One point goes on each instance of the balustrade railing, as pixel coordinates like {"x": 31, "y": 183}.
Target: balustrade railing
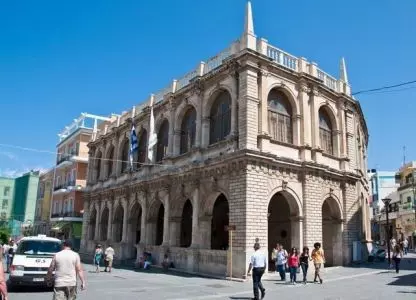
{"x": 328, "y": 80}
{"x": 217, "y": 60}
{"x": 184, "y": 81}
{"x": 282, "y": 58}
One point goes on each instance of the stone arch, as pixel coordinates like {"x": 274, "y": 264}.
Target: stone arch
{"x": 289, "y": 94}
{"x": 187, "y": 129}
{"x": 104, "y": 223}
{"x": 97, "y": 162}
{"x": 109, "y": 160}
{"x": 186, "y": 225}
{"x": 208, "y": 202}
{"x": 220, "y": 117}
{"x": 92, "y": 223}
{"x": 142, "y": 147}
{"x": 212, "y": 96}
{"x": 155, "y": 220}
{"x": 117, "y": 227}
{"x": 332, "y": 231}
{"x": 123, "y": 154}
{"x": 134, "y": 223}
{"x": 328, "y": 129}
{"x": 162, "y": 139}
{"x": 295, "y": 205}
{"x": 331, "y": 114}
{"x": 181, "y": 111}
{"x": 220, "y": 219}
{"x": 284, "y": 224}
{"x": 336, "y": 205}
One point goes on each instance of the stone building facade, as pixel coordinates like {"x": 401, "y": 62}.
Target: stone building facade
{"x": 254, "y": 138}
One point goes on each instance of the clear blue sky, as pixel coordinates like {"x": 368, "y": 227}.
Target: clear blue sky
{"x": 61, "y": 58}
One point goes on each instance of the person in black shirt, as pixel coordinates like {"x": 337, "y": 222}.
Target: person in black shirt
{"x": 304, "y": 262}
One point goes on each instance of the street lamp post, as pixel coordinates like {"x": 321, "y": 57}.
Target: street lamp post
{"x": 386, "y": 202}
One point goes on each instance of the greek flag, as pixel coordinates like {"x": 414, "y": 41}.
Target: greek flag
{"x": 134, "y": 145}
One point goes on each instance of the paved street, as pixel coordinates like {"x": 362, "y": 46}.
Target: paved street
{"x": 339, "y": 283}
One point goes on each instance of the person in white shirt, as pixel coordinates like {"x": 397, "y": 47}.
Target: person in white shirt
{"x": 258, "y": 264}
{"x": 67, "y": 265}
{"x": 109, "y": 256}
{"x": 405, "y": 246}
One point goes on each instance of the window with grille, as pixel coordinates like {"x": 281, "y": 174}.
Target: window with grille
{"x": 279, "y": 117}
{"x": 220, "y": 118}
{"x": 325, "y": 132}
{"x": 162, "y": 141}
{"x": 188, "y": 130}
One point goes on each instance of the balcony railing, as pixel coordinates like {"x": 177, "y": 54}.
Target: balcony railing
{"x": 71, "y": 214}
{"x": 67, "y": 156}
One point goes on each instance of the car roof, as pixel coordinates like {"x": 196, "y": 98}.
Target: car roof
{"x": 40, "y": 238}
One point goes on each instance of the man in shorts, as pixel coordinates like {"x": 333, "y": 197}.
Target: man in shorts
{"x": 109, "y": 256}
{"x": 67, "y": 265}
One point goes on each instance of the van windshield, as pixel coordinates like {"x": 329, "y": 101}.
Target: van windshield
{"x": 38, "y": 247}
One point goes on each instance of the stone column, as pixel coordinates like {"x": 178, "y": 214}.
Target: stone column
{"x": 305, "y": 111}
{"x": 176, "y": 142}
{"x": 97, "y": 223}
{"x": 205, "y": 232}
{"x": 341, "y": 118}
{"x": 205, "y": 131}
{"x": 143, "y": 230}
{"x": 199, "y": 112}
{"x": 234, "y": 106}
{"x": 166, "y": 204}
{"x": 263, "y": 95}
{"x": 85, "y": 224}
{"x": 117, "y": 156}
{"x": 125, "y": 217}
{"x": 195, "y": 219}
{"x": 110, "y": 218}
{"x": 314, "y": 123}
{"x": 296, "y": 224}
{"x": 174, "y": 231}
{"x": 171, "y": 131}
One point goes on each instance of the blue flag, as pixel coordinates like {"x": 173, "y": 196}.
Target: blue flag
{"x": 134, "y": 145}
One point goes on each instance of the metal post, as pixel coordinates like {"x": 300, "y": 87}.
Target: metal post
{"x": 231, "y": 254}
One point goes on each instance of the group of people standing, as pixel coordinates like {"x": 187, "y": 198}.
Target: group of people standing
{"x": 9, "y": 249}
{"x": 284, "y": 262}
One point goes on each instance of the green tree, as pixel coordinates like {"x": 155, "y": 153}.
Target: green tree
{"x": 4, "y": 234}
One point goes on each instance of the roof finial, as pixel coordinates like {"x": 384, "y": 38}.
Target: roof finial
{"x": 343, "y": 71}
{"x": 248, "y": 25}
{"x": 248, "y": 39}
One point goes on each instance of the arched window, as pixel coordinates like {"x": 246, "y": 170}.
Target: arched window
{"x": 220, "y": 118}
{"x": 98, "y": 166}
{"x": 142, "y": 148}
{"x": 280, "y": 117}
{"x": 188, "y": 130}
{"x": 109, "y": 162}
{"x": 162, "y": 141}
{"x": 125, "y": 156}
{"x": 325, "y": 132}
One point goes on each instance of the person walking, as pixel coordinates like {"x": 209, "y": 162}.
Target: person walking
{"x": 98, "y": 256}
{"x": 281, "y": 261}
{"x": 258, "y": 264}
{"x": 3, "y": 285}
{"x": 109, "y": 256}
{"x": 304, "y": 262}
{"x": 405, "y": 246}
{"x": 274, "y": 256}
{"x": 318, "y": 258}
{"x": 67, "y": 266}
{"x": 397, "y": 257}
{"x": 293, "y": 263}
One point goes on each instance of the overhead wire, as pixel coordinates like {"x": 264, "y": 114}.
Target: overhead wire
{"x": 384, "y": 87}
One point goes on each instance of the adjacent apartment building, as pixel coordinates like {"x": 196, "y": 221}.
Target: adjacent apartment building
{"x": 253, "y": 140}
{"x": 6, "y": 200}
{"x": 43, "y": 204}
{"x": 70, "y": 176}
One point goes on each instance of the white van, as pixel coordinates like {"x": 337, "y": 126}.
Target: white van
{"x": 32, "y": 260}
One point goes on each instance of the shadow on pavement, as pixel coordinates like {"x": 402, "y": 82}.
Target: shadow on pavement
{"x": 404, "y": 280}
{"x": 241, "y": 298}
{"x": 27, "y": 289}
{"x": 407, "y": 292}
